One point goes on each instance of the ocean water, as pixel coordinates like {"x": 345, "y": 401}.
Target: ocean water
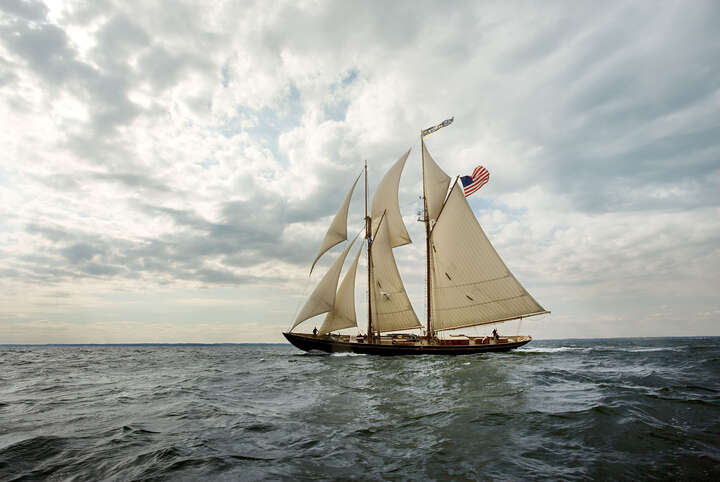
{"x": 612, "y": 409}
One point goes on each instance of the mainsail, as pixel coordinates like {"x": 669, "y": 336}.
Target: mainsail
{"x": 322, "y": 298}
{"x": 470, "y": 283}
{"x": 385, "y": 202}
{"x": 343, "y": 313}
{"x": 337, "y": 232}
{"x": 391, "y": 307}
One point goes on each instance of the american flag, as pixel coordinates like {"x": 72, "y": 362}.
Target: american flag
{"x": 479, "y": 178}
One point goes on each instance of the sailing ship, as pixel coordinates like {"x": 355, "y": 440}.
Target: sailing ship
{"x": 467, "y": 283}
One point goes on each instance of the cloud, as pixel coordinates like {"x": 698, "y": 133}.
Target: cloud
{"x": 151, "y": 148}
{"x": 34, "y": 11}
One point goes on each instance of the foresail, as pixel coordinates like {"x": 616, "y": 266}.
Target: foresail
{"x": 436, "y": 184}
{"x": 391, "y": 307}
{"x": 386, "y": 201}
{"x": 337, "y": 232}
{"x": 470, "y": 283}
{"x": 343, "y": 314}
{"x": 322, "y": 298}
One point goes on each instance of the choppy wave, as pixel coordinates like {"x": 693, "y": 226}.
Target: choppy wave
{"x": 567, "y": 409}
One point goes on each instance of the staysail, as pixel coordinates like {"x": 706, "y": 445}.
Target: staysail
{"x": 391, "y": 307}
{"x": 470, "y": 283}
{"x": 322, "y": 298}
{"x": 337, "y": 232}
{"x": 343, "y": 313}
{"x": 385, "y": 202}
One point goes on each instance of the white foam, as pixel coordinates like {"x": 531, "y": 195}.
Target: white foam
{"x": 552, "y": 350}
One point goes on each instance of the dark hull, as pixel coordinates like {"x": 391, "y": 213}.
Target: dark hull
{"x": 326, "y": 344}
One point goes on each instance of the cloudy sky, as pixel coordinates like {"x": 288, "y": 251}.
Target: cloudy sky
{"x": 167, "y": 169}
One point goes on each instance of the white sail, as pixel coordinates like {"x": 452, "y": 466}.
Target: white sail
{"x": 436, "y": 184}
{"x": 337, "y": 232}
{"x": 470, "y": 283}
{"x": 391, "y": 307}
{"x": 343, "y": 313}
{"x": 322, "y": 298}
{"x": 386, "y": 201}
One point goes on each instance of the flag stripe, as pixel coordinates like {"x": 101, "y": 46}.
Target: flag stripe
{"x": 479, "y": 178}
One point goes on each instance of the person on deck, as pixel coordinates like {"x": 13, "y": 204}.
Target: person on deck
{"x": 315, "y": 331}
{"x": 495, "y": 334}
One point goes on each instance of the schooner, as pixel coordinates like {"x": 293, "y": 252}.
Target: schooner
{"x": 467, "y": 283}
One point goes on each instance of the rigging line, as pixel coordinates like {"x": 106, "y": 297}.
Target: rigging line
{"x": 379, "y": 224}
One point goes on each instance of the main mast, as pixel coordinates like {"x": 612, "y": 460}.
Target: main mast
{"x": 368, "y": 237}
{"x": 426, "y": 219}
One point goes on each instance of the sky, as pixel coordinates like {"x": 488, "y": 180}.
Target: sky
{"x": 168, "y": 169}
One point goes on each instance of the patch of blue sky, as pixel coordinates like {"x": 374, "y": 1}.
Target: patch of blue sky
{"x": 208, "y": 162}
{"x": 269, "y": 123}
{"x": 349, "y": 78}
{"x": 337, "y": 109}
{"x": 225, "y": 75}
{"x": 4, "y": 177}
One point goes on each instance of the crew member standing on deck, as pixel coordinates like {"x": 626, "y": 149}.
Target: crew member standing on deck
{"x": 495, "y": 334}
{"x": 315, "y": 331}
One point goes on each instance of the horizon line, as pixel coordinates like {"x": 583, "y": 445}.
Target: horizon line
{"x": 286, "y": 343}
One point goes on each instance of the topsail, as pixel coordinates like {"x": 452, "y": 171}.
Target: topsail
{"x": 337, "y": 232}
{"x": 385, "y": 203}
{"x": 436, "y": 184}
